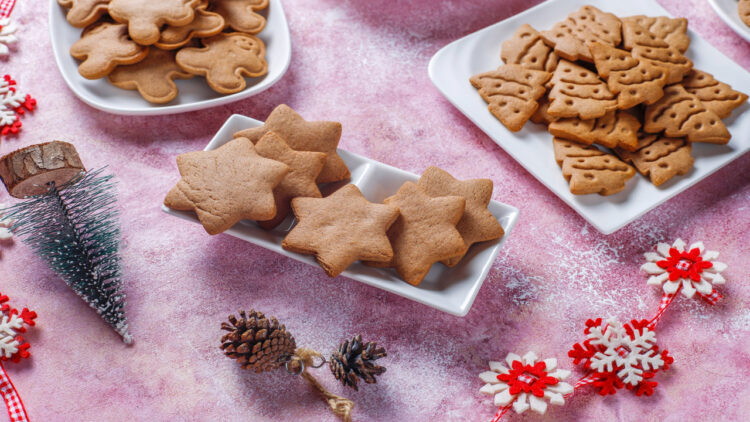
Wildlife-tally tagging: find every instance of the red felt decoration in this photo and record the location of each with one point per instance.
(13, 348)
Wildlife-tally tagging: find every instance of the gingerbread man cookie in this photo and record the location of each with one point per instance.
(146, 17)
(82, 13)
(226, 60)
(103, 47)
(153, 77)
(205, 24)
(241, 15)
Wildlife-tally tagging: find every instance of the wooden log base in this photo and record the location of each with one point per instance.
(30, 171)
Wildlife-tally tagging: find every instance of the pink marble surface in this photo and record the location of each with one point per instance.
(364, 64)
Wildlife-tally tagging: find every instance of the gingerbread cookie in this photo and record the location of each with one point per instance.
(634, 81)
(205, 24)
(104, 46)
(743, 8)
(646, 46)
(660, 158)
(578, 92)
(153, 77)
(477, 224)
(304, 167)
(146, 17)
(241, 15)
(716, 96)
(226, 60)
(611, 130)
(424, 233)
(341, 229)
(588, 24)
(226, 185)
(527, 49)
(590, 170)
(82, 13)
(672, 30)
(302, 135)
(512, 92)
(681, 114)
(541, 116)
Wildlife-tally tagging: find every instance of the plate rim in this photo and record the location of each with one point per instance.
(148, 109)
(602, 227)
(739, 30)
(460, 310)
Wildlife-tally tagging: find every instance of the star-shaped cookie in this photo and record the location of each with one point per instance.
(302, 135)
(477, 224)
(425, 231)
(340, 229)
(304, 167)
(226, 185)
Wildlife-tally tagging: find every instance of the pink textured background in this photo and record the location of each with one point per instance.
(364, 64)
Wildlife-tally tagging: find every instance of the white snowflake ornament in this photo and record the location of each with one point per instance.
(7, 37)
(5, 225)
(525, 382)
(692, 269)
(13, 104)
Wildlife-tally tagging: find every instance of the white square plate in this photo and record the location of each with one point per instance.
(727, 10)
(195, 94)
(450, 290)
(452, 66)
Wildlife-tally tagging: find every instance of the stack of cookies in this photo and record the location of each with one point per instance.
(145, 45)
(623, 84)
(266, 173)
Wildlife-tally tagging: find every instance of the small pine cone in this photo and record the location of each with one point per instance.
(257, 342)
(354, 360)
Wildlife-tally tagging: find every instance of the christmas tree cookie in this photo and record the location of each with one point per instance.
(715, 95)
(590, 170)
(681, 114)
(578, 92)
(660, 158)
(614, 129)
(588, 24)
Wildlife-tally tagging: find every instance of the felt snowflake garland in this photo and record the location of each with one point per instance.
(6, 235)
(13, 348)
(615, 355)
(13, 105)
(7, 27)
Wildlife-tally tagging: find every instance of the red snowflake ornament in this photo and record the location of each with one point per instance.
(621, 355)
(13, 323)
(13, 105)
(522, 377)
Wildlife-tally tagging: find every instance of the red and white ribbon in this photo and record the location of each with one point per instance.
(6, 6)
(16, 410)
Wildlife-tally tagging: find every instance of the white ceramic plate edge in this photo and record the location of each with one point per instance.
(510, 214)
(737, 26)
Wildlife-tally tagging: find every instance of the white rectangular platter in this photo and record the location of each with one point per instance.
(451, 290)
(195, 94)
(452, 66)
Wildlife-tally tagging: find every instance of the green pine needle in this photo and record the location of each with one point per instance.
(75, 229)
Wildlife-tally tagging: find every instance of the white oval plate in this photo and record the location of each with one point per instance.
(450, 290)
(452, 66)
(195, 94)
(727, 11)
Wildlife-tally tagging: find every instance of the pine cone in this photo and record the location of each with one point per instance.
(354, 360)
(257, 342)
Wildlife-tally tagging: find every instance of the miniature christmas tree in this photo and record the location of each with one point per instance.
(69, 219)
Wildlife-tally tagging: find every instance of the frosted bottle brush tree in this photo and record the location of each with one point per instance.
(69, 218)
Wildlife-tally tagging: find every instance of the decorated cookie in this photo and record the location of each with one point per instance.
(527, 49)
(634, 81)
(103, 47)
(205, 24)
(82, 13)
(646, 46)
(425, 231)
(240, 15)
(226, 60)
(743, 8)
(145, 17)
(153, 77)
(660, 158)
(226, 185)
(578, 92)
(681, 114)
(304, 167)
(477, 224)
(512, 92)
(341, 229)
(716, 96)
(588, 24)
(541, 116)
(302, 135)
(611, 130)
(590, 170)
(672, 30)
